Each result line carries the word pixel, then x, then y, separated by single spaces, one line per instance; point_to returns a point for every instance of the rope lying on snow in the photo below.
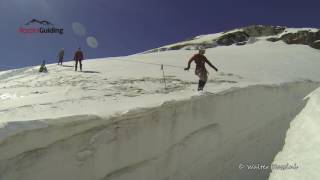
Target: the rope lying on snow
pixel 156 64
pixel 161 65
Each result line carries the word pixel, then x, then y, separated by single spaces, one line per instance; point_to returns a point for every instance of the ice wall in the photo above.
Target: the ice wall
pixel 205 137
pixel 299 158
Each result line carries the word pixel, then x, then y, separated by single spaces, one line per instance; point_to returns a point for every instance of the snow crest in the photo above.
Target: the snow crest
pixel 189 139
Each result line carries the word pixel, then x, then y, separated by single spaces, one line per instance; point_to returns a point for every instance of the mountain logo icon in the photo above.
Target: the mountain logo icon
pixel 44 22
pixel 40 26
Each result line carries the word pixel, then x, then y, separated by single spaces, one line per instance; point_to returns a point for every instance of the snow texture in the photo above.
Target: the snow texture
pixel 301 145
pixel 199 138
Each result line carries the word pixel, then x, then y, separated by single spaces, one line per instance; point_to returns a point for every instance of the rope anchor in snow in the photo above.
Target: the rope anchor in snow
pixel 164 77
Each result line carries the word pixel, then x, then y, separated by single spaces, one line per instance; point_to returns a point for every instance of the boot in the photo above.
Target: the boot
pixel 76 66
pixel 203 84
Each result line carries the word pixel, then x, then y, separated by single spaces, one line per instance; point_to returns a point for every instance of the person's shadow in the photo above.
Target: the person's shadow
pixel 92 72
pixel 67 66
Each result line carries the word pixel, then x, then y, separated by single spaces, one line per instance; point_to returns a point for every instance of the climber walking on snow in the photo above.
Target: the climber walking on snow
pixel 60 56
pixel 201 70
pixel 78 57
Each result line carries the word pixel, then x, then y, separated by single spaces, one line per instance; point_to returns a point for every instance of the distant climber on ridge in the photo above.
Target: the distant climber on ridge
pixel 43 67
pixel 61 56
pixel 78 57
pixel 201 70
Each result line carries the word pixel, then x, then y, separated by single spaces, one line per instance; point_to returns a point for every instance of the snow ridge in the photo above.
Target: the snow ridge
pixel 176 140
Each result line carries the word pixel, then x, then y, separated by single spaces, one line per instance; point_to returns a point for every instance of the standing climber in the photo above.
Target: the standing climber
pixel 201 70
pixel 61 56
pixel 78 57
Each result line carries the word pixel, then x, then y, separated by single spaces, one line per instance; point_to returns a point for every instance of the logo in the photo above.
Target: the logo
pixel 47 23
pixel 40 26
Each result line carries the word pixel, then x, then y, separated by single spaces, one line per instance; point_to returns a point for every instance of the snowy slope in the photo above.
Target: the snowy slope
pixel 299 157
pixel 28 95
pixel 116 118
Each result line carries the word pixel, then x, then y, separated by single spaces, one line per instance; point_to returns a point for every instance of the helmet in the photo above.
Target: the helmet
pixel 202 51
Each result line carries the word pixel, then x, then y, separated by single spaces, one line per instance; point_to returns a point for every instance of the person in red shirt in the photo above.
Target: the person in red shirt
pixel 78 57
pixel 201 70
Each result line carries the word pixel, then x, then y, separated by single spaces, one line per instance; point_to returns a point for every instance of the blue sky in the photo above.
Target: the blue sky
pixel 124 27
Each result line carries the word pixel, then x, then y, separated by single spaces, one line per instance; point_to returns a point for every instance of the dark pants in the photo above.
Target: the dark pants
pixel 201 85
pixel 76 67
pixel 202 73
pixel 60 61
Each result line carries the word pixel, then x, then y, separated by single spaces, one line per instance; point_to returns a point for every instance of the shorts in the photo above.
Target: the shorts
pixel 202 73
